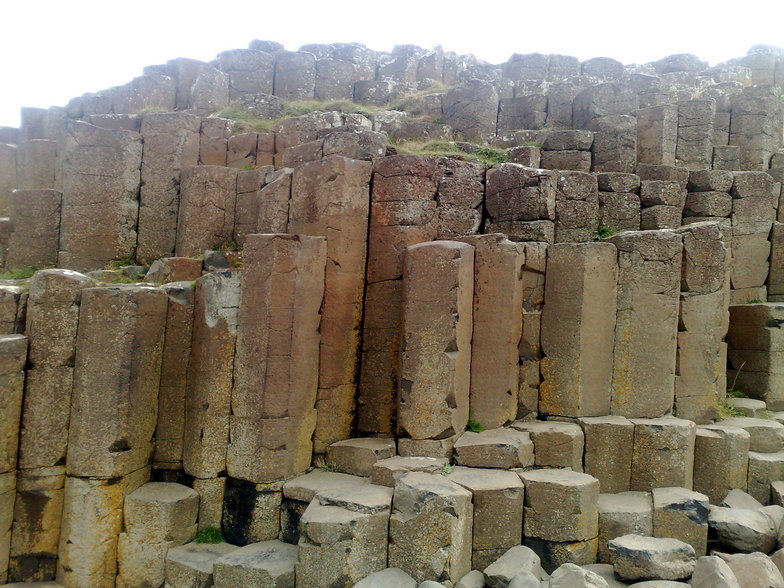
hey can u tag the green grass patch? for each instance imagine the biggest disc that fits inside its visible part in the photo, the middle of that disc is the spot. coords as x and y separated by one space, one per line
488 155
602 232
447 469
474 426
119 262
754 301
209 535
150 110
21 273
736 394
725 410
120 280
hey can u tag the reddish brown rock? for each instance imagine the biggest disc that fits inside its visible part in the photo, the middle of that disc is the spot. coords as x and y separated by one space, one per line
578 325
207 203
116 377
35 237
276 362
171 143
170 430
208 392
331 198
436 353
100 208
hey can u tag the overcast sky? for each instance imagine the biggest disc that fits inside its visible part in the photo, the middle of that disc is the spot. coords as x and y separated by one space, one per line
53 50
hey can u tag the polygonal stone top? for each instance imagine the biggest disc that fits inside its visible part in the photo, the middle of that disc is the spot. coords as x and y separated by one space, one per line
305 487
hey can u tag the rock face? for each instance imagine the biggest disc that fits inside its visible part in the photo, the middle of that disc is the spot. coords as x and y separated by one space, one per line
512 352
436 357
430 527
647 558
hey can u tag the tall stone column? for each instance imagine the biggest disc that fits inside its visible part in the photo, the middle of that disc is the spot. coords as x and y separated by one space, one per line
101 175
646 326
436 354
578 329
330 198
276 363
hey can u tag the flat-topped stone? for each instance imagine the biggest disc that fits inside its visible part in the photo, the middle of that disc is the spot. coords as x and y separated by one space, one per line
570 575
744 530
681 514
190 566
767 436
366 498
306 486
750 407
386 470
737 498
357 456
753 569
269 564
388 578
621 514
651 558
560 505
495 448
556 444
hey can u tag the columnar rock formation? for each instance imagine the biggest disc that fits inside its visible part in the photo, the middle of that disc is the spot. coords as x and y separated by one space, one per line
504 302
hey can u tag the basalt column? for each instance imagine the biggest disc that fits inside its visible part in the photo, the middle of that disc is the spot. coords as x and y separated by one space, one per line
402 213
171 143
578 328
436 354
52 320
649 276
100 180
273 401
330 198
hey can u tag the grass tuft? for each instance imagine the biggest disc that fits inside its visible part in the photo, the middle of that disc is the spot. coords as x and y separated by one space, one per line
22 273
474 426
725 410
209 535
447 469
602 232
487 155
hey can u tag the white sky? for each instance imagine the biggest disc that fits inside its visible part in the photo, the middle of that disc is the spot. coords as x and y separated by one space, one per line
53 50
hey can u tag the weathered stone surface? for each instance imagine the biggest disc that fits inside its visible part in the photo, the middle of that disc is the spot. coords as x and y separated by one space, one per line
497 328
646 323
213 140
556 553
13 306
522 112
767 436
37 512
471 109
495 448
251 512
753 569
275 364
615 143
498 510
430 527
571 575
764 468
639 558
171 144
578 323
681 514
695 133
344 536
211 492
7 499
386 471
92 521
436 349
603 100
608 451
388 578
755 126
713 572
744 529
35 236
157 516
560 505
100 178
663 453
268 564
208 197
517 193
295 75
190 566
250 71
208 392
8 177
657 134
556 444
721 460
358 456
619 211
516 561
13 355
622 514
116 377
338 210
